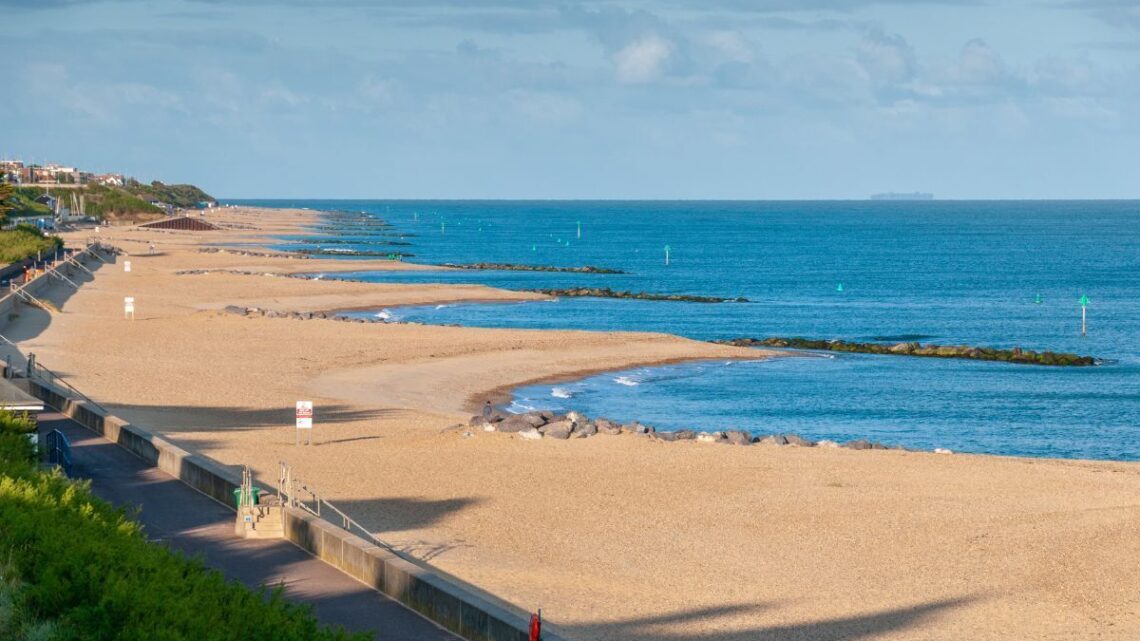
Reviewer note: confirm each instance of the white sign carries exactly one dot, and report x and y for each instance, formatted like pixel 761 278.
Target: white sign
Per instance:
pixel 126 265
pixel 129 307
pixel 304 415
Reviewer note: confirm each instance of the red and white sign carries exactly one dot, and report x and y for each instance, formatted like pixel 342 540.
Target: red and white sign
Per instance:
pixel 304 415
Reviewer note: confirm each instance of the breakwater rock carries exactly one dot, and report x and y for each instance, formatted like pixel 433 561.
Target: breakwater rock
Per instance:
pixel 512 267
pixel 242 252
pixel 317 240
pixel 353 252
pixel 546 425
pixel 930 350
pixel 606 292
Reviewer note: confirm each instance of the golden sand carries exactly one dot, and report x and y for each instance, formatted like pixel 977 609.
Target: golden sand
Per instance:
pixel 615 537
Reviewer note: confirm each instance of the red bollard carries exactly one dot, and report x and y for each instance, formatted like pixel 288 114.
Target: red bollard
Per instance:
pixel 536 626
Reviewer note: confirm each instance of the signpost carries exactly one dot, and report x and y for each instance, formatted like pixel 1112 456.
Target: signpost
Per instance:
pixel 304 422
pixel 667 255
pixel 129 307
pixel 1084 303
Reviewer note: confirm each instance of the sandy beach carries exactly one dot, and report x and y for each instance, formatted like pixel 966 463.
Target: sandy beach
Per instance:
pixel 614 537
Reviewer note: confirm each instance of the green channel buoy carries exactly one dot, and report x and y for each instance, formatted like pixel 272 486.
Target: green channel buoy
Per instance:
pixel 534 248
pixel 1037 300
pixel 839 287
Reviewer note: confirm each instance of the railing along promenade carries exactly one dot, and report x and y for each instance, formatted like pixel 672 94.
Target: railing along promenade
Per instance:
pixel 315 525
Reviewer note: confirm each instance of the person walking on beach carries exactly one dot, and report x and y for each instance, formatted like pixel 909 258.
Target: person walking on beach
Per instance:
pixel 487 409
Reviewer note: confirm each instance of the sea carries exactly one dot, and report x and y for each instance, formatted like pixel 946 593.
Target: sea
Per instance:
pixel 1002 274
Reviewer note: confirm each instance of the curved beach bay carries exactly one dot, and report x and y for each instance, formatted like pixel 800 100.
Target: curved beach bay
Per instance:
pixel 614 537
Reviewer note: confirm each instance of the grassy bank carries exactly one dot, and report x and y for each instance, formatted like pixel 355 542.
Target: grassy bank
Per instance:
pixel 74 567
pixel 25 241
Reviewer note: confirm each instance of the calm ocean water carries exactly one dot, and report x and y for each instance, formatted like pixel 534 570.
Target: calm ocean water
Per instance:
pixel 946 272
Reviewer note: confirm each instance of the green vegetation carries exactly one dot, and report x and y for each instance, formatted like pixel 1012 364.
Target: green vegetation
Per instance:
pixel 74 567
pixel 186 196
pixel 114 202
pixel 25 241
pixel 131 201
pixel 21 201
pixel 6 193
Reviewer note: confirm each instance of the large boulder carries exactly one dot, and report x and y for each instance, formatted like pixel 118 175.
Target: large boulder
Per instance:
pixel 738 437
pixel 636 428
pixel 606 426
pixel 234 309
pixel 536 419
pixel 585 430
pixel 679 435
pixel 513 424
pixel 796 439
pixel 860 444
pixel 560 430
pixel 774 439
pixel 479 419
pixel 531 434
pixel 711 437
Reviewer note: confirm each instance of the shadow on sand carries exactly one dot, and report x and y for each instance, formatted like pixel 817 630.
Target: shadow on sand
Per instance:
pixel 866 626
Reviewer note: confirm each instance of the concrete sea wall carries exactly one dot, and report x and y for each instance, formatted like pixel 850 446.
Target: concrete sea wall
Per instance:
pixel 461 609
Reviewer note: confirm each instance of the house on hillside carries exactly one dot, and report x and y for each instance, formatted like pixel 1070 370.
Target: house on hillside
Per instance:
pixel 51 201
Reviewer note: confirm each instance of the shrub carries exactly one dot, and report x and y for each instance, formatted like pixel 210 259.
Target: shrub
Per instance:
pixel 77 568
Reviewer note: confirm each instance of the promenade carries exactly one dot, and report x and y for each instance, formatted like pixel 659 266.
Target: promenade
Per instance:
pixel 174 514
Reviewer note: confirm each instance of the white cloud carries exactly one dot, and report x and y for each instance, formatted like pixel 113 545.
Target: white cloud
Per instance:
pixel 888 59
pixel 644 59
pixel 731 46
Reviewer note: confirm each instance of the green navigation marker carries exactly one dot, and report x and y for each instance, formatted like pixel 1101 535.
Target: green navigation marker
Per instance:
pixel 579 229
pixel 1084 301
pixel 1037 300
pixel 534 248
pixel 839 287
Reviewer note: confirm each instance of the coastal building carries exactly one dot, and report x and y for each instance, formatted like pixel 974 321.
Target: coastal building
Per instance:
pixel 109 180
pixel 11 170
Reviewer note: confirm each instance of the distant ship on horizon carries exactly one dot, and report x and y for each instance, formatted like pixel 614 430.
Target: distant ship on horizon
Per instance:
pixel 917 195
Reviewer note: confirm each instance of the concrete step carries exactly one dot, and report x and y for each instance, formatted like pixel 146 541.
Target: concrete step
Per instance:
pixel 260 522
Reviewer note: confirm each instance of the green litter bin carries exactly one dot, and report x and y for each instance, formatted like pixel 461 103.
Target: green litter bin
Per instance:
pixel 256 491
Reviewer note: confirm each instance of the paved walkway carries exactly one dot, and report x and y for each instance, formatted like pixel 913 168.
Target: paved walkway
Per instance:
pixel 173 513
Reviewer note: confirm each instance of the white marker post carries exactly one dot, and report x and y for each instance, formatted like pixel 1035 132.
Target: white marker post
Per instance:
pixel 129 307
pixel 1084 303
pixel 667 250
pixel 126 265
pixel 304 422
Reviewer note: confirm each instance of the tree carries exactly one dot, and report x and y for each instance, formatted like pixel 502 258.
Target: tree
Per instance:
pixel 6 193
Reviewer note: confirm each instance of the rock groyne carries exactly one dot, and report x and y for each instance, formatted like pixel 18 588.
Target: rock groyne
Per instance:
pixel 929 350
pixel 606 292
pixel 513 267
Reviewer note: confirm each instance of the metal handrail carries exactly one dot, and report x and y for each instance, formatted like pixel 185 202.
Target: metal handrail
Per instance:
pixel 288 487
pixel 53 378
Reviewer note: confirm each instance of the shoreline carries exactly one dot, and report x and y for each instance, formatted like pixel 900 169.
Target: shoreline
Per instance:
pixel 678 542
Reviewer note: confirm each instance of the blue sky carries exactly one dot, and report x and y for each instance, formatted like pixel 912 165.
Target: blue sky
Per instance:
pixel 582 99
